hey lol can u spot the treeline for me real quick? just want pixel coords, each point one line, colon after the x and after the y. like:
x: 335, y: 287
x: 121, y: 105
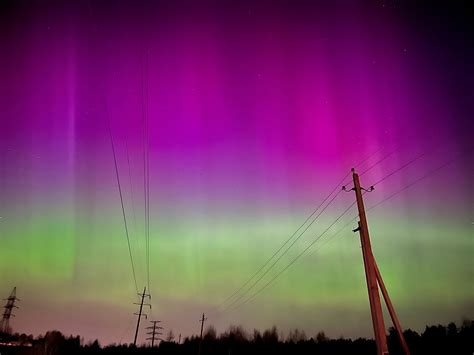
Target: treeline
x: 437, y: 339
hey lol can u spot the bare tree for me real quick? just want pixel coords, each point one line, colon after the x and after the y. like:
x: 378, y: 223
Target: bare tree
x: 170, y: 336
x: 296, y: 335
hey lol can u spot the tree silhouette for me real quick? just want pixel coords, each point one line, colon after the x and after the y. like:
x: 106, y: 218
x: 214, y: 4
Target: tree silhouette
x: 437, y: 340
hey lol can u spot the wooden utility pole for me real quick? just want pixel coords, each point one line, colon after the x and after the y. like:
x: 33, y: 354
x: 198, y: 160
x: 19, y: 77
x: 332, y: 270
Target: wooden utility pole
x: 374, y: 279
x: 391, y: 311
x: 202, y: 320
x: 139, y: 314
x: 371, y: 277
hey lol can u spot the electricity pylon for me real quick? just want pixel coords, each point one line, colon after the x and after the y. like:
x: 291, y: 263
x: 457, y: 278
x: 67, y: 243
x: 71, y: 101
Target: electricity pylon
x: 139, y: 314
x: 7, y: 314
x: 374, y: 278
x: 154, y: 332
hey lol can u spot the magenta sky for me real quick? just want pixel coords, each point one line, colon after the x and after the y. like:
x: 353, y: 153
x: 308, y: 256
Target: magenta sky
x: 256, y: 110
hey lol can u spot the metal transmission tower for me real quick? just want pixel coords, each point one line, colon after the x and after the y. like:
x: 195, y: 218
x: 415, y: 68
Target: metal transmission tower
x: 7, y: 314
x: 374, y: 278
x: 139, y: 314
x: 154, y: 331
x: 202, y: 320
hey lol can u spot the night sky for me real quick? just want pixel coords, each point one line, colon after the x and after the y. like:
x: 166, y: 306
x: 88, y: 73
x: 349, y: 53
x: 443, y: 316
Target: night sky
x: 256, y: 110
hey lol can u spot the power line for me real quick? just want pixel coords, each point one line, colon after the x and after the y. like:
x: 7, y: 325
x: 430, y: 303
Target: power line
x: 296, y: 258
x: 146, y: 171
x: 404, y: 165
x: 147, y: 141
x: 301, y: 226
x: 344, y: 226
x: 400, y: 168
x: 144, y: 158
x: 338, y: 231
x: 424, y: 176
x: 385, y: 157
x: 368, y: 158
x: 281, y: 247
x: 132, y: 197
x: 131, y: 188
x: 297, y: 230
x: 291, y: 237
x: 328, y: 240
x: 147, y: 176
x: 121, y: 198
x: 281, y: 255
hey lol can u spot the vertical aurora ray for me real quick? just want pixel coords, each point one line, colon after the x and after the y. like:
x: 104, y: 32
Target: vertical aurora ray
x: 255, y: 113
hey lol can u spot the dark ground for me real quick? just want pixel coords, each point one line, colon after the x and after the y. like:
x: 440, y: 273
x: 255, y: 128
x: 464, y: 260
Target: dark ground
x: 437, y: 339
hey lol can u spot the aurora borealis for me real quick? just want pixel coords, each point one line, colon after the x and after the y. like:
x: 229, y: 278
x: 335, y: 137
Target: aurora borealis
x: 256, y: 110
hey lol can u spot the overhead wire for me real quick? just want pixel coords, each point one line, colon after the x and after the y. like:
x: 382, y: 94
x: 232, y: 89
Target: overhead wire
x: 284, y: 244
x: 411, y: 161
x: 145, y: 145
x: 424, y: 176
x: 368, y: 158
x: 405, y: 187
x: 131, y: 187
x: 143, y: 105
x: 121, y: 198
x: 385, y: 157
x: 388, y: 155
x: 282, y: 254
x: 281, y: 247
x: 291, y: 237
x: 147, y: 175
x: 132, y: 263
x: 296, y: 258
x: 344, y: 226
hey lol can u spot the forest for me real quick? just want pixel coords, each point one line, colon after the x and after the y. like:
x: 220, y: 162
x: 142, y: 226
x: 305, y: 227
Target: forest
x: 436, y: 339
